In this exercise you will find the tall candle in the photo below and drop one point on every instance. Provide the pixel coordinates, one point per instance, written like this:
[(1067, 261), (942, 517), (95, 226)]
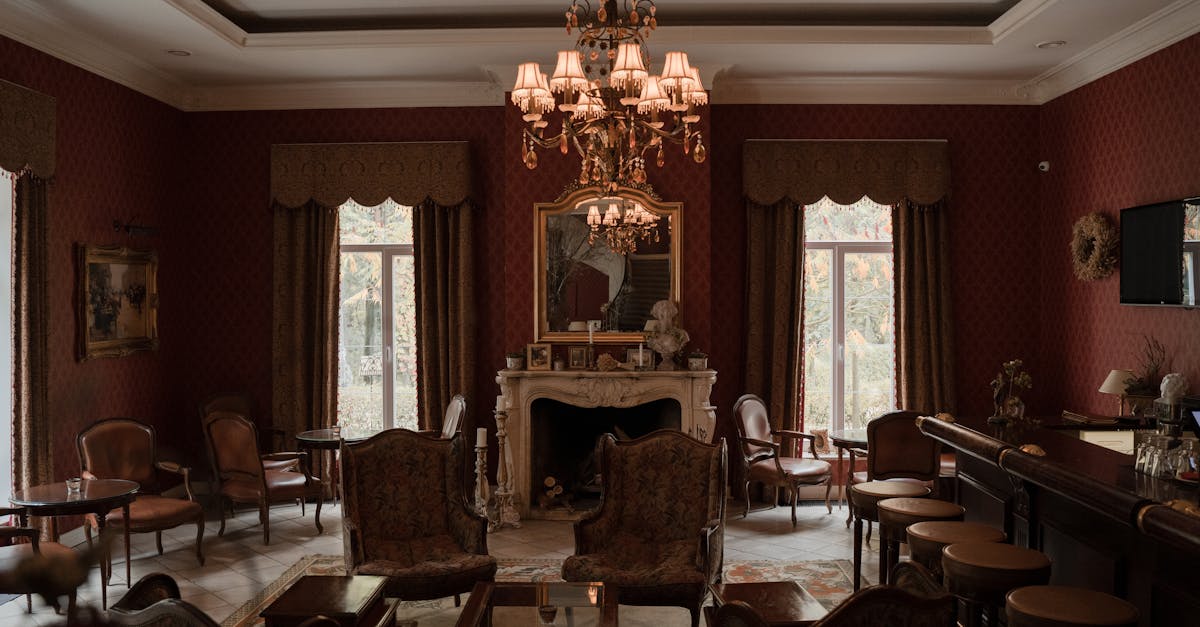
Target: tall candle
[(640, 360), (481, 437), (500, 403), (591, 329)]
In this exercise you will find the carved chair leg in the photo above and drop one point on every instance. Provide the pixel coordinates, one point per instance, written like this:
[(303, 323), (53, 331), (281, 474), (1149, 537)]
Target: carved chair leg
[(200, 538), (302, 500), (457, 600), (158, 541), (87, 532), (320, 529), (795, 494), (28, 603), (747, 492), (265, 516), (221, 506), (857, 553), (695, 611), (775, 497), (828, 485)]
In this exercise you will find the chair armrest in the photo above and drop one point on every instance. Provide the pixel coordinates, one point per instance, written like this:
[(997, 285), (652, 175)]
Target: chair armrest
[(301, 458), (352, 545), (799, 435), (589, 529), (183, 471), (712, 549), (468, 527), (147, 591)]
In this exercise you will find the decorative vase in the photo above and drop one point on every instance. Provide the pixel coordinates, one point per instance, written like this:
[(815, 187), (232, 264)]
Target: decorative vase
[(1014, 408), (514, 363), (697, 363)]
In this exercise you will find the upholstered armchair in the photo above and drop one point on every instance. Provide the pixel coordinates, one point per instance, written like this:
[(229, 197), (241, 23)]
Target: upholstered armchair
[(897, 449), (243, 405), (659, 531), (405, 516), (122, 448), (20, 543), (154, 601), (765, 458), (452, 422), (243, 477)]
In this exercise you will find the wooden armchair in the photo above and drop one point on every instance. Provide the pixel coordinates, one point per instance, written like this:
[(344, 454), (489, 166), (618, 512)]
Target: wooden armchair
[(122, 448), (405, 516), (452, 422), (15, 578), (242, 473), (897, 449), (659, 531), (154, 601), (243, 405), (765, 459)]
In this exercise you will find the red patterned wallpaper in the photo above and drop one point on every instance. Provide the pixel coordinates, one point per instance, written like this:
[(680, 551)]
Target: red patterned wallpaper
[(1128, 139), (117, 159)]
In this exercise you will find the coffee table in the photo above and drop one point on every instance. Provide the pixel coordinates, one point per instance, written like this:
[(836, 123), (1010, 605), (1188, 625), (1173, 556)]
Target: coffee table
[(501, 604), (780, 603), (351, 600)]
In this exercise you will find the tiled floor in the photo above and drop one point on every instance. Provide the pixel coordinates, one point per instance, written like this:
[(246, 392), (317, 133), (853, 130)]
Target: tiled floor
[(238, 565)]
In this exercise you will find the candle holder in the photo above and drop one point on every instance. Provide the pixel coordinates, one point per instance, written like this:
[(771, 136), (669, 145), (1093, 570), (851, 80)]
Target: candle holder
[(481, 483), (506, 510)]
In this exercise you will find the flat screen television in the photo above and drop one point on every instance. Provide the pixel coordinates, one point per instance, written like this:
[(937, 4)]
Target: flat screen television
[(1160, 253)]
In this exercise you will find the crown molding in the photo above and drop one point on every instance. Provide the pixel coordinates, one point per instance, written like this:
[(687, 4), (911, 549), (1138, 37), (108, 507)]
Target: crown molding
[(346, 95), (868, 90), (1175, 22), (33, 26), (1019, 15), (209, 18)]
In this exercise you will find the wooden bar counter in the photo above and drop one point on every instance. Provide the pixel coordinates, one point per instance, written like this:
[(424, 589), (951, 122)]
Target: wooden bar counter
[(1103, 525)]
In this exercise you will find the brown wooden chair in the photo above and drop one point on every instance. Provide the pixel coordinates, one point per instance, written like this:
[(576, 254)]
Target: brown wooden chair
[(243, 405), (241, 473), (21, 545), (765, 458), (123, 448), (405, 516), (154, 601), (456, 409), (659, 532), (896, 449)]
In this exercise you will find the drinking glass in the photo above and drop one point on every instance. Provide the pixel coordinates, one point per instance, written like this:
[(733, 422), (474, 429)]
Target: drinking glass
[(1143, 442)]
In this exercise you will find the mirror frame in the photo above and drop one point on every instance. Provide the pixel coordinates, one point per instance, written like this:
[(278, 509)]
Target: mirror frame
[(568, 201)]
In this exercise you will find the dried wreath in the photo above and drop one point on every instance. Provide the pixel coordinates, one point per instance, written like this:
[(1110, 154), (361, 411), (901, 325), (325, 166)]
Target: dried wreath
[(1093, 247)]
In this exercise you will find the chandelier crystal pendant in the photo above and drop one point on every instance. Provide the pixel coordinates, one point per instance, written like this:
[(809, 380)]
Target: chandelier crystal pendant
[(612, 109), (622, 228)]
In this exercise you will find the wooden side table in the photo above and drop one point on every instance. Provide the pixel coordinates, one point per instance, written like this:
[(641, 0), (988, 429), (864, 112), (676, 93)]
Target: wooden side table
[(780, 603), (351, 600)]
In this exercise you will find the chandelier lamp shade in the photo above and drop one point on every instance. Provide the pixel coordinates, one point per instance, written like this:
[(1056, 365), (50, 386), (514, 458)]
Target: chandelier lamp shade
[(622, 225), (610, 108)]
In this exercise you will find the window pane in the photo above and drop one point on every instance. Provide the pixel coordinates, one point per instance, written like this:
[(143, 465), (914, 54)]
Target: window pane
[(864, 221), (404, 330), (385, 223), (818, 331), (870, 338), (360, 342)]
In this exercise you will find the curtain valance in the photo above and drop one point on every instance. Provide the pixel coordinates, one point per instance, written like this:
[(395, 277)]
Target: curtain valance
[(407, 172), (845, 170), (27, 130)]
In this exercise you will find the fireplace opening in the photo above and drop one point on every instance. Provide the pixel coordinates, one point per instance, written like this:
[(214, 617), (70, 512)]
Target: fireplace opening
[(564, 442)]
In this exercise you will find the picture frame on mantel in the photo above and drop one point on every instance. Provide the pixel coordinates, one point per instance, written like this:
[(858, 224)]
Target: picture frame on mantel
[(117, 309), (537, 357)]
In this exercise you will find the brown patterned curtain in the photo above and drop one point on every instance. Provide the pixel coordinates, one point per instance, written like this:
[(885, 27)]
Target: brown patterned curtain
[(305, 317), (32, 464), (924, 341), (914, 177), (444, 258), (27, 149), (774, 304)]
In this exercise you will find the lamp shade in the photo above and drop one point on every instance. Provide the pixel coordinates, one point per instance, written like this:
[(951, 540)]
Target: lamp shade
[(1116, 382), (568, 72), (628, 67)]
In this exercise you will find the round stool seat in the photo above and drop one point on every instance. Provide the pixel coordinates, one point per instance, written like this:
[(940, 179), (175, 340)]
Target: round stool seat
[(864, 496), (1064, 606), (927, 539), (986, 571), (899, 513)]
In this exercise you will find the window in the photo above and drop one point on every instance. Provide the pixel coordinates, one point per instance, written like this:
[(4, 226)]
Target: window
[(377, 346), (849, 328)]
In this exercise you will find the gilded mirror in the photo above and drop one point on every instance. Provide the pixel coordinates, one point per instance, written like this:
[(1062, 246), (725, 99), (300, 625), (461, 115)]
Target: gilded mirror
[(604, 259)]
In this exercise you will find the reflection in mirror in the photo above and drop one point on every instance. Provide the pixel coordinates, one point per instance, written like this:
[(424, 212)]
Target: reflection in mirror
[(604, 259)]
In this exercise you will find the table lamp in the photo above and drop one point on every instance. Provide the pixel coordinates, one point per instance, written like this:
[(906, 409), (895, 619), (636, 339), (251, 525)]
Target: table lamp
[(1115, 383)]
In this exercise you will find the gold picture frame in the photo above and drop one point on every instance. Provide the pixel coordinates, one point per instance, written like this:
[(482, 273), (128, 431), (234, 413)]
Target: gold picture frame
[(537, 357), (579, 357), (118, 301)]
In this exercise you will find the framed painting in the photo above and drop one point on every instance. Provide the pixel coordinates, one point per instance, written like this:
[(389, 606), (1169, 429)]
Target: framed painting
[(579, 357), (118, 301), (537, 357)]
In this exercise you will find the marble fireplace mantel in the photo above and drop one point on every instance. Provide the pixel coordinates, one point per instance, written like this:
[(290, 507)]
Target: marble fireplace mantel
[(621, 388)]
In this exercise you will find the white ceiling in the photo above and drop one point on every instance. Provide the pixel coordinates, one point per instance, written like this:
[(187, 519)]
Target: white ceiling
[(294, 54)]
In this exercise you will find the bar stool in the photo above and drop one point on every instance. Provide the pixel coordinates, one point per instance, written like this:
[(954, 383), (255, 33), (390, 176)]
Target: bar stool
[(927, 539), (895, 515), (982, 573), (1064, 606), (863, 497)]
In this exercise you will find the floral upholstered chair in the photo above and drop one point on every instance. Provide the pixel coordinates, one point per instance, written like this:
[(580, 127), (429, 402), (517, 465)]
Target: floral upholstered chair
[(405, 516), (659, 531)]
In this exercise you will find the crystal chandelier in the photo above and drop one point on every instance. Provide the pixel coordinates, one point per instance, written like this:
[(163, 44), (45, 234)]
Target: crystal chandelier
[(612, 109), (623, 227)]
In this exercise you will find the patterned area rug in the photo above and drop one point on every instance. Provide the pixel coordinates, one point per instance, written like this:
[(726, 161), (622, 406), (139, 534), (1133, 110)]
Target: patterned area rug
[(827, 580)]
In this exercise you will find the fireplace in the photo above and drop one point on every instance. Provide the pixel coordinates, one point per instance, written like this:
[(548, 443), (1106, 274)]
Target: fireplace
[(554, 418)]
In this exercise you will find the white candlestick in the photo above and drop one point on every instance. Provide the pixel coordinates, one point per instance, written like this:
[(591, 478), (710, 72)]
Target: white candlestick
[(481, 437), (590, 330), (640, 362), (500, 403)]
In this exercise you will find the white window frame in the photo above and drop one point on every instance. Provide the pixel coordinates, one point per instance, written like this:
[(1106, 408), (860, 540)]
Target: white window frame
[(837, 273)]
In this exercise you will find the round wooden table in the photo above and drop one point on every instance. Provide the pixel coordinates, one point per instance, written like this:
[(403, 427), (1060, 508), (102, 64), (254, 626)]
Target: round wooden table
[(320, 440), (848, 441), (95, 496)]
